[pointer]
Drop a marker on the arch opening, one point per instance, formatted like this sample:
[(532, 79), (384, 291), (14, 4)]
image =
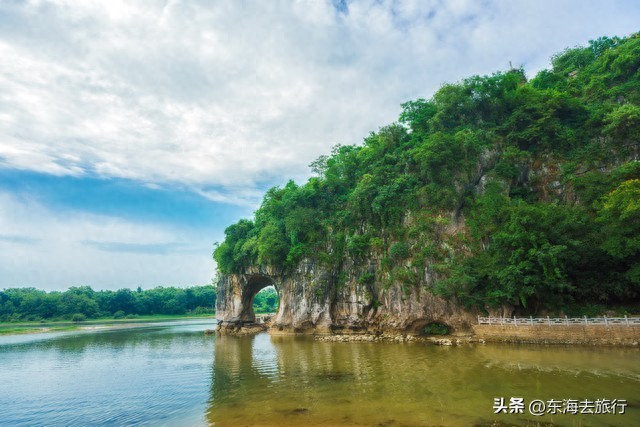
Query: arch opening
[(254, 285), (266, 301)]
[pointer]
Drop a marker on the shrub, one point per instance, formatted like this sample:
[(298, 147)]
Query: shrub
[(579, 310), (386, 264), (376, 244), (399, 251), (358, 245), (203, 310), (78, 317), (436, 329), (367, 278), (405, 275), (118, 314)]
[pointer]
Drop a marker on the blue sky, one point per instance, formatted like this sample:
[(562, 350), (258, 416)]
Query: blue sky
[(133, 133)]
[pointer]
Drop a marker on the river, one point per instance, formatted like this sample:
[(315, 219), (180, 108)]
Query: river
[(172, 374)]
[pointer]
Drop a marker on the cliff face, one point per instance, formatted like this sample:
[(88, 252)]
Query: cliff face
[(313, 300)]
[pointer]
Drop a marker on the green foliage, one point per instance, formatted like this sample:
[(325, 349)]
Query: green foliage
[(623, 126), (31, 304), (78, 317), (592, 186), (386, 264), (266, 301), (358, 246), (405, 276), (589, 310), (399, 251), (571, 60), (436, 329), (238, 248), (272, 245), (533, 251), (619, 215), (367, 279)]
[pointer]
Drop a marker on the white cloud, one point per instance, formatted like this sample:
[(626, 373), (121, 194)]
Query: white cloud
[(47, 249), (221, 97), (231, 94)]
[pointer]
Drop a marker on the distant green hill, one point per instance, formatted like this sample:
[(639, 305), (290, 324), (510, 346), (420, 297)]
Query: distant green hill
[(499, 189)]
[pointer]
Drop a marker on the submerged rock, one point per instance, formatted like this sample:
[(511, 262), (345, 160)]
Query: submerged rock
[(240, 328)]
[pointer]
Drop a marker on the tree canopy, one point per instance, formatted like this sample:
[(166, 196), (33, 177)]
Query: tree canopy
[(31, 304)]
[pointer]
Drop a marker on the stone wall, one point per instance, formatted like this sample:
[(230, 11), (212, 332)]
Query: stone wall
[(560, 334)]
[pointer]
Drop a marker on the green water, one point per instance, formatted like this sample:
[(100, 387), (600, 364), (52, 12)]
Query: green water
[(172, 374)]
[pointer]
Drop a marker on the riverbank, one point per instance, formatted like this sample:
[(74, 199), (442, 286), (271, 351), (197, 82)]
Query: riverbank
[(445, 340), (618, 335), (13, 328), (598, 335)]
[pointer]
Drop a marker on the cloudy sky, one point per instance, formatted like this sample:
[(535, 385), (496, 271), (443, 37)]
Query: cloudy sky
[(132, 133)]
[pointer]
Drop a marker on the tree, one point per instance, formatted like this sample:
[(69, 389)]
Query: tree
[(529, 256), (620, 216), (623, 124), (273, 245)]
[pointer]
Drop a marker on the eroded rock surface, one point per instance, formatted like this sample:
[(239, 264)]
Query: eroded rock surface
[(313, 300)]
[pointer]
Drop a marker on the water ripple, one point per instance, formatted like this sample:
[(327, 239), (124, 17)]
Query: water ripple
[(174, 375)]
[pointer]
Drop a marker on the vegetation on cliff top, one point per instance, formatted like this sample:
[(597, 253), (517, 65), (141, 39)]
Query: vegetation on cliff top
[(497, 190)]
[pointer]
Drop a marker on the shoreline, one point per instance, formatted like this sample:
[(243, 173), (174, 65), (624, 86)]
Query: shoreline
[(462, 340), (592, 336), (23, 328), (600, 336), (598, 332)]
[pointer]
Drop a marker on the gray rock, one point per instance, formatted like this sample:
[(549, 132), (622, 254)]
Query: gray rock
[(313, 300)]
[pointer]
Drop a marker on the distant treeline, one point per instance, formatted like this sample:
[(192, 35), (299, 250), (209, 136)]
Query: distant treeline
[(79, 303)]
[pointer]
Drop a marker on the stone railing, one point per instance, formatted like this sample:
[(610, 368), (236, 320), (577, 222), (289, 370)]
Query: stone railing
[(566, 321)]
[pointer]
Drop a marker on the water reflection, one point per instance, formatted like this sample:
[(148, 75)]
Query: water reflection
[(282, 380), (175, 375)]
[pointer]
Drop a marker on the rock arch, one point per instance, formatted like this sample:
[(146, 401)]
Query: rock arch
[(234, 304), (255, 284), (304, 299), (313, 298)]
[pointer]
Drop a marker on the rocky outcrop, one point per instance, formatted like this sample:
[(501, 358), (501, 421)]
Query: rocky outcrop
[(360, 296), (314, 299)]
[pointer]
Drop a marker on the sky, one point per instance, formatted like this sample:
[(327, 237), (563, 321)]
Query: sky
[(133, 133)]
